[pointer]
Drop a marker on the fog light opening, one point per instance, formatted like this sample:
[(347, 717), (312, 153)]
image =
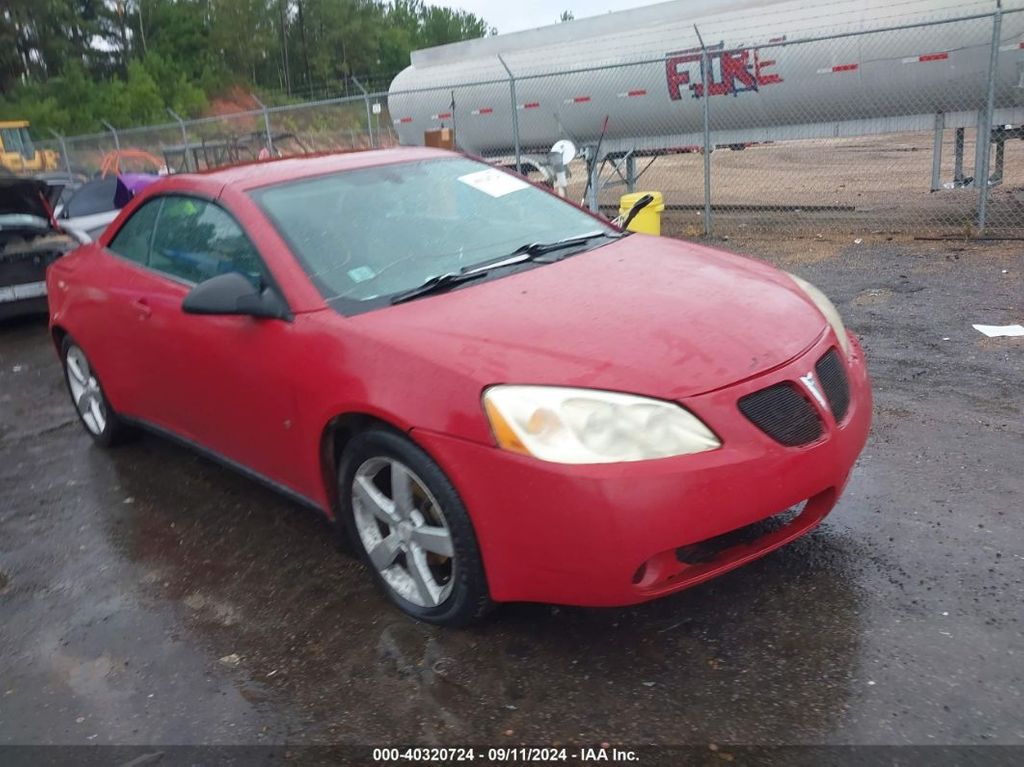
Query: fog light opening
[(639, 574)]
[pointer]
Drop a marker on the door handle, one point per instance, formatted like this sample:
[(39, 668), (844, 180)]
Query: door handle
[(142, 307)]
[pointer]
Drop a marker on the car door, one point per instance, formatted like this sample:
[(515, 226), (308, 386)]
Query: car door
[(106, 311), (218, 381)]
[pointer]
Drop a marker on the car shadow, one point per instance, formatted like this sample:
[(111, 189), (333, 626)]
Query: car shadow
[(765, 654)]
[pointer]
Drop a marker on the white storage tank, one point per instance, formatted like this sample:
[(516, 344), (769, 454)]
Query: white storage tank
[(641, 69)]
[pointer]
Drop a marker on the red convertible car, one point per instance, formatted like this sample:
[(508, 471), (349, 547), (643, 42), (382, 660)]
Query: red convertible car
[(495, 394)]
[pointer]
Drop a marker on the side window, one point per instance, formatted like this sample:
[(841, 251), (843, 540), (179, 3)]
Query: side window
[(196, 240), (133, 238)]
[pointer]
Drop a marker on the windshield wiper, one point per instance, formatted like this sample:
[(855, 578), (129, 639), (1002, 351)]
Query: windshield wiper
[(437, 284), (535, 249), (529, 252)]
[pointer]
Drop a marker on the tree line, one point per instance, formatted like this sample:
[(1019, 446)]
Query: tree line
[(68, 64)]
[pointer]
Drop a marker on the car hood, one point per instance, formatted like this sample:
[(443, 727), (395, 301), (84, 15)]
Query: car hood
[(647, 315), (28, 196)]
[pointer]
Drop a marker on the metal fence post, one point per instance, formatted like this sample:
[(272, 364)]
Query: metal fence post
[(705, 69), (366, 100), (117, 142), (63, 150), (184, 139), (515, 113), (984, 137), (266, 122)]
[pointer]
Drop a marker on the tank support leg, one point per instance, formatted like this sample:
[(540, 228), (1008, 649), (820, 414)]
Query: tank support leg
[(940, 124), (958, 158), (997, 177), (630, 173)]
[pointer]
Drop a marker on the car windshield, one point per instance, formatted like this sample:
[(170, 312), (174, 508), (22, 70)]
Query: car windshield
[(366, 235)]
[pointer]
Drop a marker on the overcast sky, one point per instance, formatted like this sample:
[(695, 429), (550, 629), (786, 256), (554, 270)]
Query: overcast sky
[(514, 15)]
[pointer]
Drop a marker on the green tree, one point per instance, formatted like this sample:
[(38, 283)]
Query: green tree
[(175, 88), (69, 64), (178, 31), (242, 36), (142, 96), (439, 26)]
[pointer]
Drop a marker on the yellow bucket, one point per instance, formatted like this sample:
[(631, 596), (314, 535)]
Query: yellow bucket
[(647, 220)]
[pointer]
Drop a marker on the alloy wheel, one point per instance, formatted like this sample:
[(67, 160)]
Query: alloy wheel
[(404, 531), (85, 391)]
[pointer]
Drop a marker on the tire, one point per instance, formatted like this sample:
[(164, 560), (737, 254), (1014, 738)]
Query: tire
[(98, 418), (423, 554)]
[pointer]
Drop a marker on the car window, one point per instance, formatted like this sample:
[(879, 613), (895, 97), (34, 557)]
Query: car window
[(196, 240), (132, 239)]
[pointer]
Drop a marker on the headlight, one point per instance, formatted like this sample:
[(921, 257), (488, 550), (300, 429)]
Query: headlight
[(565, 425), (827, 308)]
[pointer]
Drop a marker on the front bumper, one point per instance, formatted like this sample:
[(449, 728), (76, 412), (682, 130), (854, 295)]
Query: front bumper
[(23, 274), (604, 535), (22, 288)]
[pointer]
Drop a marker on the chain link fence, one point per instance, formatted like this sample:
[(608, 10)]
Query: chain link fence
[(892, 166), (899, 130)]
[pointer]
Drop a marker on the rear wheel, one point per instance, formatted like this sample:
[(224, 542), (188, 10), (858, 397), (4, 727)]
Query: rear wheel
[(95, 413), (405, 518)]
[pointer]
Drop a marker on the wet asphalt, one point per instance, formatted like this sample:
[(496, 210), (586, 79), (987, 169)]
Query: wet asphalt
[(148, 596)]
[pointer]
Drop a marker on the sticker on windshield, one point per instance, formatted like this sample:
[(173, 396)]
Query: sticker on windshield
[(360, 274), (493, 182)]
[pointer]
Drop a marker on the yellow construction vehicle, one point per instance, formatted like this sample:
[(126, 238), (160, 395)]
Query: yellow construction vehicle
[(17, 152)]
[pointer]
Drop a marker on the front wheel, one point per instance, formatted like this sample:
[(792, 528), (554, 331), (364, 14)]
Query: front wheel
[(404, 516), (95, 413)]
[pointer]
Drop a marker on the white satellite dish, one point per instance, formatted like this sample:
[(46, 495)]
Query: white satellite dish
[(566, 149)]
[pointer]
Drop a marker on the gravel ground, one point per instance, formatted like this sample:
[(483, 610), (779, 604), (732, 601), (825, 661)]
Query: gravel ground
[(148, 596)]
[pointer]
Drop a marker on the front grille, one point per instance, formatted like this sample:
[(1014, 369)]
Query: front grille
[(783, 413), (834, 384)]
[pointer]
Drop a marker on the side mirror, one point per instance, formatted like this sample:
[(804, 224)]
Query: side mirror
[(233, 293)]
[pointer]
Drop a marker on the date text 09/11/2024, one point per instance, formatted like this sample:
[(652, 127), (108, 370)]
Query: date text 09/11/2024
[(504, 754)]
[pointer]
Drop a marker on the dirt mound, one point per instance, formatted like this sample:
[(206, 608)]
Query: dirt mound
[(234, 100)]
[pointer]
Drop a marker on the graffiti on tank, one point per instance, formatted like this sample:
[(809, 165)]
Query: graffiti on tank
[(732, 72)]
